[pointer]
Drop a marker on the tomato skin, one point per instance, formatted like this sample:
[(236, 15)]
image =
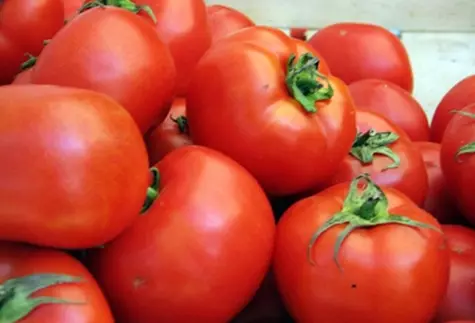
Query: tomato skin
[(108, 62), (183, 26), (23, 77), (67, 184), (19, 260), (225, 20), (375, 265), (71, 7), (299, 33), (257, 122), (25, 25), (358, 51), (197, 246), (460, 296), (394, 103), (460, 172), (168, 136), (438, 201), (458, 97), (410, 177)]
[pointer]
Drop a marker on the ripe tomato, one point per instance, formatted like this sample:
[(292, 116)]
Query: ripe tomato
[(352, 249), (460, 296), (71, 7), (23, 77), (394, 103), (438, 201), (25, 24), (42, 285), (358, 51), (125, 60), (458, 97), (299, 33), (457, 158), (74, 168), (171, 134), (225, 20), (390, 160), (270, 108), (198, 245)]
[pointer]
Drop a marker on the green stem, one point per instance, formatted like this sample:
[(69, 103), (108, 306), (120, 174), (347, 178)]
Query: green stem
[(182, 123), (304, 81), (152, 190), (123, 4), (369, 143), (361, 209), (470, 147), (16, 301), (29, 63)]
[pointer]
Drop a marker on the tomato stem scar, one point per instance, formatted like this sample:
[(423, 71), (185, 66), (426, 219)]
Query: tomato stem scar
[(124, 4)]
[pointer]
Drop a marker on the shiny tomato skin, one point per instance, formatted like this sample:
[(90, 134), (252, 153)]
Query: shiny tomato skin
[(438, 201), (25, 24), (394, 103), (407, 266), (18, 260), (65, 181), (410, 177), (458, 97), (125, 60), (258, 123), (207, 240), (358, 51), (299, 33), (167, 136), (71, 7), (23, 77), (224, 20), (460, 172), (460, 296), (183, 26)]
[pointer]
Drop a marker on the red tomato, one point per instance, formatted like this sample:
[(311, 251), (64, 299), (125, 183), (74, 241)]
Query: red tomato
[(24, 77), (71, 7), (41, 279), (199, 253), (302, 47), (25, 24), (352, 249), (460, 297), (299, 33), (183, 26), (458, 97), (290, 141), (171, 134), (390, 160), (125, 60), (74, 168), (457, 157), (358, 51), (394, 103), (438, 201), (225, 20)]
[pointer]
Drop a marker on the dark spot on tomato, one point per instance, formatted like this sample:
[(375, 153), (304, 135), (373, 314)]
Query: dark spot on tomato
[(266, 86), (353, 286)]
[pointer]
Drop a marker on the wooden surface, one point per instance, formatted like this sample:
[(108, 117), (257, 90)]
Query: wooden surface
[(407, 15)]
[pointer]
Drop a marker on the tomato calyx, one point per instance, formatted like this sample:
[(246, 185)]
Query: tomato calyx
[(182, 123), (361, 209), (15, 295), (29, 63), (152, 190), (470, 147), (304, 81), (369, 143), (123, 4)]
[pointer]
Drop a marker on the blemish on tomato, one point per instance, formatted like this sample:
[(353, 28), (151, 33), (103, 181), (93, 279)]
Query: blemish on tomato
[(138, 282), (343, 32)]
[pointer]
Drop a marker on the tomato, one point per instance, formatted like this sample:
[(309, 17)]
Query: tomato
[(71, 7), (225, 20), (352, 248), (206, 240), (438, 201), (299, 33), (42, 285), (126, 61), (74, 167), (286, 123), (358, 51), (390, 159), (457, 158), (394, 103), (171, 134), (460, 297), (458, 97), (23, 77), (25, 24)]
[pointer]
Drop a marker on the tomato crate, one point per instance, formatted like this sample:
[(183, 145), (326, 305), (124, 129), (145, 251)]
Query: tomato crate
[(440, 37)]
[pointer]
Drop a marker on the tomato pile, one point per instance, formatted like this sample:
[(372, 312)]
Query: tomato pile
[(165, 161)]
